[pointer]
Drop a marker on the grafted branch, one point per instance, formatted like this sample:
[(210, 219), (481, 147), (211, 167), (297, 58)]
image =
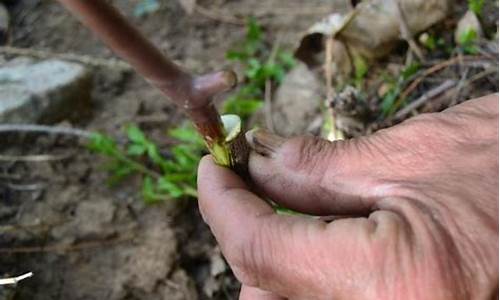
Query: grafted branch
[(193, 94)]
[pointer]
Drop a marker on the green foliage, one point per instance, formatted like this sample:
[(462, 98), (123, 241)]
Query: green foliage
[(260, 65), (390, 101), (175, 176), (476, 6), (360, 70), (432, 42), (467, 41), (163, 178), (146, 7)]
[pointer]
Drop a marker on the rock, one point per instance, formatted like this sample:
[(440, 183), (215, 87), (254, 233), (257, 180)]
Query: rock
[(468, 23), (45, 91), (4, 24), (298, 102)]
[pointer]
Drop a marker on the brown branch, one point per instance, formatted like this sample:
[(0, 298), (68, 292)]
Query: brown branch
[(55, 130), (436, 68), (192, 94), (448, 84)]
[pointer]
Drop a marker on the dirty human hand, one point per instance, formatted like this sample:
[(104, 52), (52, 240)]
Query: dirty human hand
[(415, 206)]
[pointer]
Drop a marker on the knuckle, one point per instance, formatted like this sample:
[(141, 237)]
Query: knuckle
[(307, 154)]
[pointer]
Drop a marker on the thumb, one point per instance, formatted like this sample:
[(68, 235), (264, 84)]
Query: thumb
[(316, 176)]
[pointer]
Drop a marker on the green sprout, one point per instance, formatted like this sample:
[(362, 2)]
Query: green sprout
[(476, 6), (173, 175), (162, 177), (467, 41), (260, 65), (390, 101)]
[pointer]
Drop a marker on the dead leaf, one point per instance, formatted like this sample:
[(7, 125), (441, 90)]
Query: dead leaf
[(373, 27)]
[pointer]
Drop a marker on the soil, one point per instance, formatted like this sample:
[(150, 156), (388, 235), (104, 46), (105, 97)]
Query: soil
[(81, 238)]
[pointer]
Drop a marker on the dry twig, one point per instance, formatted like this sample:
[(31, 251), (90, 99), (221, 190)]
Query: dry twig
[(111, 63), (32, 128), (431, 94), (334, 133), (34, 158), (15, 280)]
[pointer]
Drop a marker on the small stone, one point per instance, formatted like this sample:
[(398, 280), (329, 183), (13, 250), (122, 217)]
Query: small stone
[(298, 102), (46, 91), (468, 23)]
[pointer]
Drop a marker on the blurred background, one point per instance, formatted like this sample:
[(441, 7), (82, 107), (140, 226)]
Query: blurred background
[(98, 169)]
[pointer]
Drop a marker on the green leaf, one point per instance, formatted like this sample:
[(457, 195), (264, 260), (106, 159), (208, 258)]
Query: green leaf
[(136, 150), (148, 191), (242, 107), (287, 59), (389, 100), (253, 69), (135, 134), (467, 37), (360, 68), (119, 172), (476, 6), (467, 40), (410, 70), (186, 134), (254, 31), (100, 143), (236, 55), (165, 185)]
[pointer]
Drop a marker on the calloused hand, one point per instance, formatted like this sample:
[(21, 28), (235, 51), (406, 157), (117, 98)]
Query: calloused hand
[(415, 206)]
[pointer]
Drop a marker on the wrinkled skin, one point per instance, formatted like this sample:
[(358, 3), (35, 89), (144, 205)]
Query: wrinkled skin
[(415, 206)]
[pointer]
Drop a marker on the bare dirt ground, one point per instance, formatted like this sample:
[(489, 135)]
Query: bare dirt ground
[(84, 240)]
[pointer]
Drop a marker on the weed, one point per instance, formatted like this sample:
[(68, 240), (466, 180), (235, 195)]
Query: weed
[(390, 101), (162, 177), (360, 71), (432, 42), (175, 176), (260, 65), (476, 6), (467, 41)]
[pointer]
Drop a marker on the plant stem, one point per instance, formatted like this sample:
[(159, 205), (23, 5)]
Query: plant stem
[(135, 165), (190, 93)]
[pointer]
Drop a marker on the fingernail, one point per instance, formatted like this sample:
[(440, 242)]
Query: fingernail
[(263, 142)]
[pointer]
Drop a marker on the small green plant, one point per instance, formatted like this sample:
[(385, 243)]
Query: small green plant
[(432, 42), (390, 101), (360, 71), (476, 6), (174, 176), (467, 41), (260, 65), (162, 177)]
